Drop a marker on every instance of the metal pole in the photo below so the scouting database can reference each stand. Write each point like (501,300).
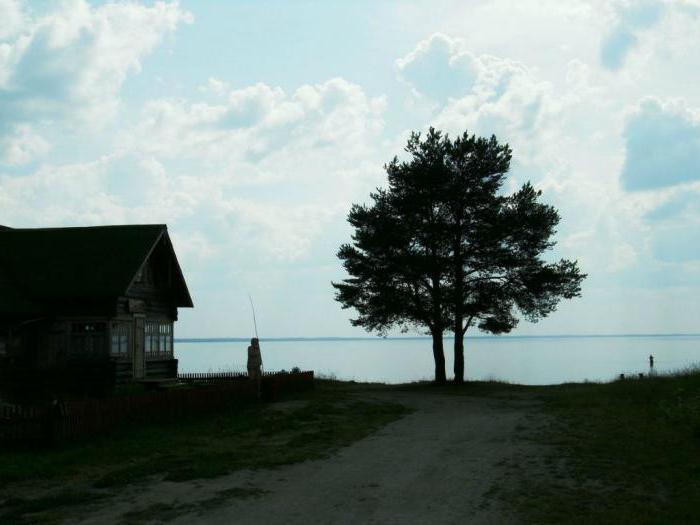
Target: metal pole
(255,323)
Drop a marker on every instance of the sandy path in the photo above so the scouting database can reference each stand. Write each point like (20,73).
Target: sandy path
(435,465)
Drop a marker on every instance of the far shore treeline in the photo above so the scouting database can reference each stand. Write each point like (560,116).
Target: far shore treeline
(442,249)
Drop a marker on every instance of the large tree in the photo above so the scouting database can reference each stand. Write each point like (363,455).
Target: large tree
(394,279)
(443,248)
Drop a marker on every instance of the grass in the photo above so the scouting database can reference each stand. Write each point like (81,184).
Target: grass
(199,447)
(625,452)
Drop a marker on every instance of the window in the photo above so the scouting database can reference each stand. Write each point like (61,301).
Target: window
(88,338)
(159,339)
(120,339)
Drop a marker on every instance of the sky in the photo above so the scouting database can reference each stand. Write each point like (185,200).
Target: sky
(250,128)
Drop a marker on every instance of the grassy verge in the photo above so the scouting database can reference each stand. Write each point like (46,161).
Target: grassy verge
(626,452)
(244,436)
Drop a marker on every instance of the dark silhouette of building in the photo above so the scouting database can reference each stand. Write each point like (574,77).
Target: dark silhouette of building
(105,294)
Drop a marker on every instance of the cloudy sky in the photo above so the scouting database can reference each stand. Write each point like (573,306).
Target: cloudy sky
(250,128)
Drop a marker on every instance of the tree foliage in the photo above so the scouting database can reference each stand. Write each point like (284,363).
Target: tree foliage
(444,249)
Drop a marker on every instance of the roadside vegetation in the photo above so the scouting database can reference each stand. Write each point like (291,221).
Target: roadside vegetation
(43,486)
(627,451)
(624,452)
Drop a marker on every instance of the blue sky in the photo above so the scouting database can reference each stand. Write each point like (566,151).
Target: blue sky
(250,128)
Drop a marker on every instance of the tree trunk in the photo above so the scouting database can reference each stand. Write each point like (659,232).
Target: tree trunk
(458,305)
(439,355)
(459,356)
(436,329)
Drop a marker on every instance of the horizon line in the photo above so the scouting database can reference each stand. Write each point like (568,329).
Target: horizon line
(420,337)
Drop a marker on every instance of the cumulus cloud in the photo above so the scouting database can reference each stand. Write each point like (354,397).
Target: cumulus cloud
(439,68)
(273,167)
(282,232)
(486,94)
(258,169)
(70,64)
(21,144)
(631,18)
(662,146)
(260,124)
(647,28)
(12,17)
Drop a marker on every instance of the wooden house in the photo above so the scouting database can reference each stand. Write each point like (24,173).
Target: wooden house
(107,293)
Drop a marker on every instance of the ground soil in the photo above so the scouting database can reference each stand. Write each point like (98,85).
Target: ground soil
(447,462)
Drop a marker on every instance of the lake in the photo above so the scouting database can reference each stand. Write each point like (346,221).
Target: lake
(525,360)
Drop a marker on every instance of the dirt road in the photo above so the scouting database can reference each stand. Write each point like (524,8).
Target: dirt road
(441,464)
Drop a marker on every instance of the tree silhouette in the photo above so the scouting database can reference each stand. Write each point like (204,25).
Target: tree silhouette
(443,249)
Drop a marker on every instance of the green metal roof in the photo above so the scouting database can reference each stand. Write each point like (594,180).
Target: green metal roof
(49,265)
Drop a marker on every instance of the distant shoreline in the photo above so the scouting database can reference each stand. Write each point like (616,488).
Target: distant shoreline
(410,338)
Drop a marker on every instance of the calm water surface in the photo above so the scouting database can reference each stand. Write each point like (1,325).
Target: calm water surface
(525,360)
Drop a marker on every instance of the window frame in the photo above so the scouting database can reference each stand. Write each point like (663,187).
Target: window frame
(158,339)
(121,334)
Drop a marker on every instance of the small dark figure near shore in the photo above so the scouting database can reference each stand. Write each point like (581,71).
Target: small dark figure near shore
(651,361)
(255,363)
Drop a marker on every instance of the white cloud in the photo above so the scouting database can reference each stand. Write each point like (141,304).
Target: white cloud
(284,232)
(257,170)
(630,20)
(12,17)
(215,86)
(485,94)
(256,121)
(512,101)
(21,144)
(662,145)
(645,35)
(273,167)
(70,64)
(439,68)
(70,194)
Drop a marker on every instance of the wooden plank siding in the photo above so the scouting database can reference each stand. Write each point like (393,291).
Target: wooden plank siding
(161,368)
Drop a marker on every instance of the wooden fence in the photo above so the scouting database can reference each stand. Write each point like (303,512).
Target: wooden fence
(211,377)
(81,418)
(273,383)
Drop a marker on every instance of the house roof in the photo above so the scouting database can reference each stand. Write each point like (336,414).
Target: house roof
(49,265)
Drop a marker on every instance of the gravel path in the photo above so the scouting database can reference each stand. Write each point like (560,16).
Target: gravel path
(440,464)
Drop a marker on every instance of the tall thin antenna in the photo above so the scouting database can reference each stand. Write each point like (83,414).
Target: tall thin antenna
(255,323)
